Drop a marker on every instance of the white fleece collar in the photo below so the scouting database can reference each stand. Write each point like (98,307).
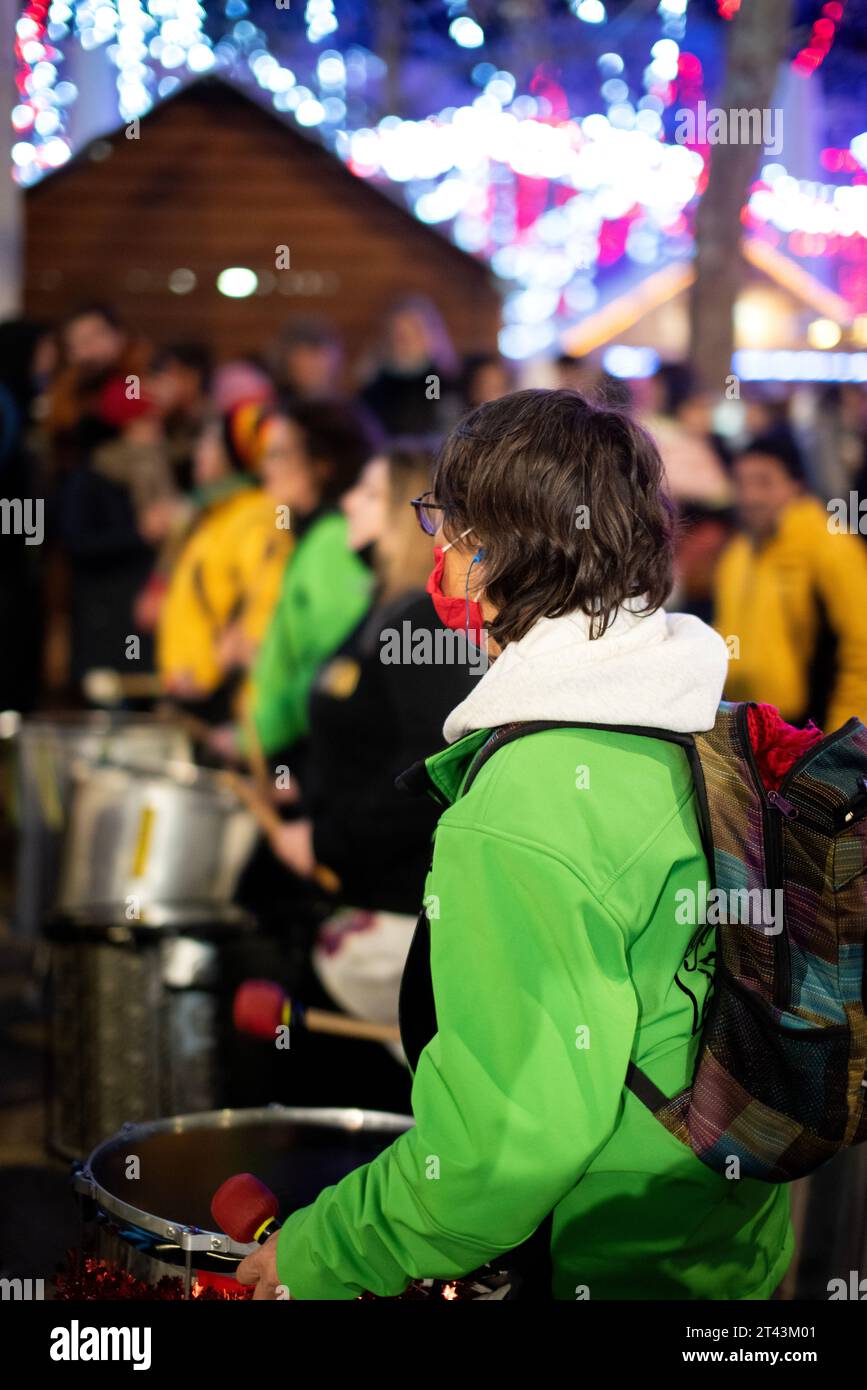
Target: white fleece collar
(661,670)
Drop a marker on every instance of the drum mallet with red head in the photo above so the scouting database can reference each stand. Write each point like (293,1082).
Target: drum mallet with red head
(262,1006)
(245,1209)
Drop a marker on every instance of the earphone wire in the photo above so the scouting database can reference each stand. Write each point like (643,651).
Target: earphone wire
(476,558)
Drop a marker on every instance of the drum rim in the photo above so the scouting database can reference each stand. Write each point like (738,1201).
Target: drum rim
(184,917)
(175,774)
(191,1238)
(93,721)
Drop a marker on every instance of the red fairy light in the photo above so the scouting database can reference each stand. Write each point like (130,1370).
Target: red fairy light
(542,85)
(689,67)
(823,33)
(840,162)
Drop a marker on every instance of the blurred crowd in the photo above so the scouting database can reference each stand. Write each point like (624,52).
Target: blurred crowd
(176,489)
(152,461)
(236,538)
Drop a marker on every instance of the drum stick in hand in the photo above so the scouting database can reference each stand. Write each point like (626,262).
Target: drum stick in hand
(255,753)
(261,1006)
(254,798)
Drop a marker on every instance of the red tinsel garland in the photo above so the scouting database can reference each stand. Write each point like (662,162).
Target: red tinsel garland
(92,1280)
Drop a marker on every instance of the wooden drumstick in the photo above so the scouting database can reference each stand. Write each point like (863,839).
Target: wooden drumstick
(256,801)
(195,728)
(106,687)
(340,1025)
(111,688)
(255,753)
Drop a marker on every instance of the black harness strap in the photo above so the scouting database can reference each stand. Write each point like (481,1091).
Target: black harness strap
(647,1091)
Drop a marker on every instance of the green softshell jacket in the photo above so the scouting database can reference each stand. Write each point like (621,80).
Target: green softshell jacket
(325,593)
(556,940)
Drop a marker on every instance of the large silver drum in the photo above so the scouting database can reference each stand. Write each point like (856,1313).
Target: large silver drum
(155,844)
(46,750)
(154,1215)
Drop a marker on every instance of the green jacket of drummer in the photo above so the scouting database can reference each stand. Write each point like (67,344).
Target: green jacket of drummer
(326,591)
(547,981)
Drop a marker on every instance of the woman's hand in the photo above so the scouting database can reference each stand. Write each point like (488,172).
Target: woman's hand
(158,519)
(223,740)
(289,795)
(184,685)
(260,1269)
(293,844)
(147,607)
(235,650)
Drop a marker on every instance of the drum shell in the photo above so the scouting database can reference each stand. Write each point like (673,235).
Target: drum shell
(295,1151)
(139,839)
(45,753)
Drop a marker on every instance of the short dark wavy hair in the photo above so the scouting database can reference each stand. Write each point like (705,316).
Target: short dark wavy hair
(342,435)
(517,470)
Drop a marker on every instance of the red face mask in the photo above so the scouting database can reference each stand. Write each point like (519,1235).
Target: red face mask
(464,614)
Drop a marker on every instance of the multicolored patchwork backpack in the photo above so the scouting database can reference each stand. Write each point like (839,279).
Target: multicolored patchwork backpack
(780,1080)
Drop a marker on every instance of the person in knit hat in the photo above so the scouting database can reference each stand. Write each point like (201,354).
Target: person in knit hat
(224,580)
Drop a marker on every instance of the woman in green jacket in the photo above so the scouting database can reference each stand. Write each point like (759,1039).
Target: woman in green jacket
(557,946)
(311,455)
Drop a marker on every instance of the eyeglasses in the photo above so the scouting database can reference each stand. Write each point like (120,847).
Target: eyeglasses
(426,513)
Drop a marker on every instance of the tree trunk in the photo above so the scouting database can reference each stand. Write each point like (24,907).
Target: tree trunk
(11,201)
(528,21)
(758,41)
(389,47)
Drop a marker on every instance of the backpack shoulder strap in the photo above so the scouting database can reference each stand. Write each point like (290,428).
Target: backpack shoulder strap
(507,733)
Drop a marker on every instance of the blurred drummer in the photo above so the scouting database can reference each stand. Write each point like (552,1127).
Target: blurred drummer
(312,453)
(225,579)
(379,704)
(549,952)
(377,707)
